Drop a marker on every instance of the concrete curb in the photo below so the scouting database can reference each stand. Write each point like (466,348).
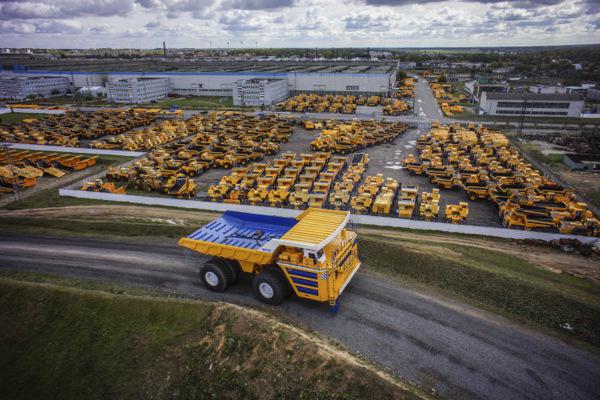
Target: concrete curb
(80,150)
(358,219)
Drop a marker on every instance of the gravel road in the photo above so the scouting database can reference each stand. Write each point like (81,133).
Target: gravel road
(457,350)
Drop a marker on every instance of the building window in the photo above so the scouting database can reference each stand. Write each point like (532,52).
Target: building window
(351,87)
(510,104)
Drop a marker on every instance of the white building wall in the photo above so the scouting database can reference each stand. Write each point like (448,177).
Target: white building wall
(257,92)
(134,90)
(492,107)
(221,84)
(19,87)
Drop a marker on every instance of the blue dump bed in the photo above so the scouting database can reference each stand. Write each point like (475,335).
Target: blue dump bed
(249,231)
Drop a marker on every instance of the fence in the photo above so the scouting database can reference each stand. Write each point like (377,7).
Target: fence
(80,150)
(358,219)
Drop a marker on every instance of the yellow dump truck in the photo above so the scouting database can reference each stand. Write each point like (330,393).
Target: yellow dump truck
(314,255)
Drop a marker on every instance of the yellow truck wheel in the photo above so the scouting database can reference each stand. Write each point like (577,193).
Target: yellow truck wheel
(216,276)
(271,287)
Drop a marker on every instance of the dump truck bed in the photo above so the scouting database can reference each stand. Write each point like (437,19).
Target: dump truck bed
(239,236)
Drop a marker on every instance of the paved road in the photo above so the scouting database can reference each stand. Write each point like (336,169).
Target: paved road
(460,351)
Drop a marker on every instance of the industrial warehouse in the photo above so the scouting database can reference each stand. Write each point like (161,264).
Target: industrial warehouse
(220,79)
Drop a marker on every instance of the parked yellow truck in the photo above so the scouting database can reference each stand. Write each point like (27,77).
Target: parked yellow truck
(314,255)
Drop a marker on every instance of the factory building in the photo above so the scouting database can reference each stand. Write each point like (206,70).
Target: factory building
(531,104)
(219,79)
(22,87)
(476,87)
(259,92)
(582,162)
(138,90)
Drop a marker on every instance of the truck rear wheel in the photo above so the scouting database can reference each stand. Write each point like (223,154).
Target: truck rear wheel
(216,276)
(233,266)
(271,287)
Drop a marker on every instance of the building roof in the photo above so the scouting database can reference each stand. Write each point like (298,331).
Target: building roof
(533,96)
(584,158)
(201,67)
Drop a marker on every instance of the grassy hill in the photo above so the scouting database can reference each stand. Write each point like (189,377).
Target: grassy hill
(62,342)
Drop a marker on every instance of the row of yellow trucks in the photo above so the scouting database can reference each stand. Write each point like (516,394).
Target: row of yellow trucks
(444,96)
(145,139)
(406,89)
(342,104)
(481,162)
(20,169)
(342,137)
(321,180)
(69,128)
(291,181)
(219,140)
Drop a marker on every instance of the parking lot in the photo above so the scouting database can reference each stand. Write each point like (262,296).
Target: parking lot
(384,159)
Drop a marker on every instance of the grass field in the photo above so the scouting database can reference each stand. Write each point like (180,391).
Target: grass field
(493,280)
(62,342)
(552,159)
(196,102)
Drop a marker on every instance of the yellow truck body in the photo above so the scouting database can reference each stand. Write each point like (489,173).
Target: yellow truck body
(314,255)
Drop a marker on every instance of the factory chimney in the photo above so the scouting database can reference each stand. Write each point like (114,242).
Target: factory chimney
(164,49)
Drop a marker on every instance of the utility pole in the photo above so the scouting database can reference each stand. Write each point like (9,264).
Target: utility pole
(11,168)
(522,119)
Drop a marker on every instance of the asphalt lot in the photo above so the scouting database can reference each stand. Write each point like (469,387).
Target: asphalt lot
(384,159)
(457,350)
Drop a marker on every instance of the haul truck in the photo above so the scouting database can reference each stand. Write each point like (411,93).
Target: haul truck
(314,254)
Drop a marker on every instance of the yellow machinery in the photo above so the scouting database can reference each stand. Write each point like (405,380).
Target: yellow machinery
(383,203)
(339,199)
(407,201)
(99,186)
(361,203)
(314,255)
(317,200)
(218,192)
(457,213)
(278,197)
(429,207)
(299,199)
(181,186)
(385,199)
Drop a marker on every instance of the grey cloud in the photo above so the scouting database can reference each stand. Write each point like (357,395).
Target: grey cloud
(59,9)
(365,21)
(59,27)
(239,22)
(257,4)
(513,3)
(176,5)
(152,25)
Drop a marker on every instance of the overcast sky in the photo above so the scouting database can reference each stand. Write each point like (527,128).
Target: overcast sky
(296,23)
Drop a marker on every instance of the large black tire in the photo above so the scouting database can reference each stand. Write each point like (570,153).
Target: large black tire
(233,266)
(271,287)
(216,276)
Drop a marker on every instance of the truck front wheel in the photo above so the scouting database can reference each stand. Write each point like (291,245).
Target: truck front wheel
(216,276)
(271,287)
